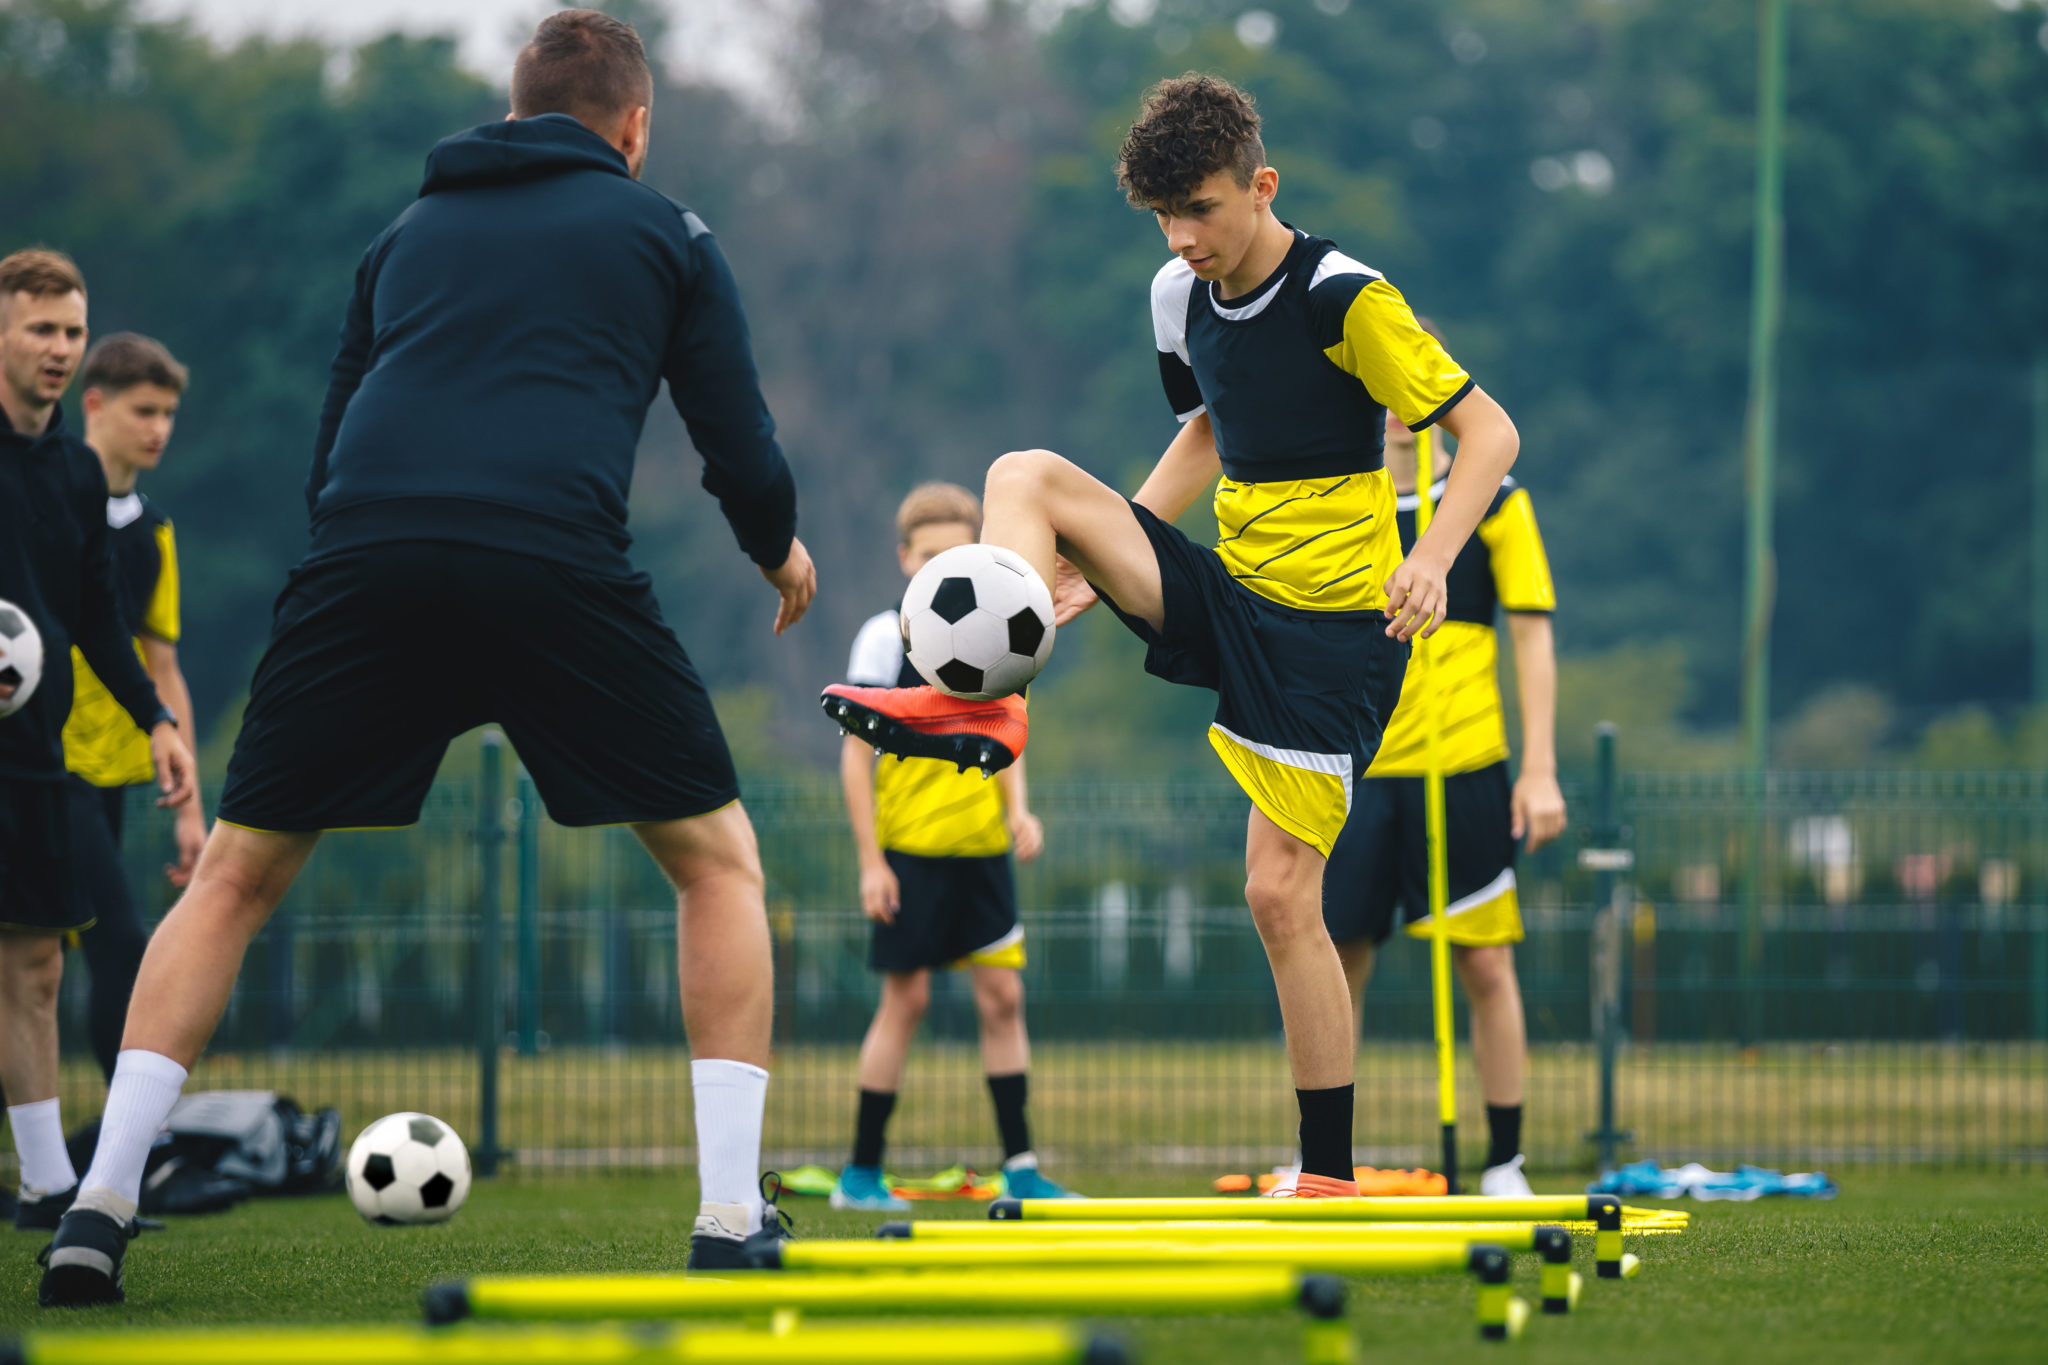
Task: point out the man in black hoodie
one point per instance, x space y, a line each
468 564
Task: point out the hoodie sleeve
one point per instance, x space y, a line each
100 634
711 378
345 375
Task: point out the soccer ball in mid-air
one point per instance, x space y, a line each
977 622
408 1168
21 658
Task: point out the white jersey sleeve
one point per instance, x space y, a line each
877 659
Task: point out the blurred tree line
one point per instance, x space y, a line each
938 267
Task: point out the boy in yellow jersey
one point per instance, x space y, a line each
1280 356
935 844
1381 860
132 389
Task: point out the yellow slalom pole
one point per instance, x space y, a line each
1099 1291
1448 1251
1437 850
1023 1343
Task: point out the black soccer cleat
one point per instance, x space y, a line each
717 1246
82 1263
43 1215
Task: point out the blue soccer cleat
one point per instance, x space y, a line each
1028 1182
861 1187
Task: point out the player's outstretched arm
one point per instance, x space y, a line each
1487 445
1537 803
1184 472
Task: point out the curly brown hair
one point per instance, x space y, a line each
1192 126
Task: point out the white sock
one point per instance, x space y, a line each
730 1097
145 1086
39 1138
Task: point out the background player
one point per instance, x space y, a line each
1280 357
1381 859
468 564
54 565
935 877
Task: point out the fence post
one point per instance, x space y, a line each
529 917
1608 860
490 837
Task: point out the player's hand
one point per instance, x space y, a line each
797 581
1538 808
1027 836
176 774
190 837
879 893
1415 597
7 690
1071 593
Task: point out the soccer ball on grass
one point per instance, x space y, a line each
977 622
21 657
408 1168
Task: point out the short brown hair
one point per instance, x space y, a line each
1191 127
118 363
934 504
40 273
587 65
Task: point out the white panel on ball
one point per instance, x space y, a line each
1002 587
1010 675
981 639
931 642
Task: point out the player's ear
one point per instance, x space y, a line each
95 402
1265 185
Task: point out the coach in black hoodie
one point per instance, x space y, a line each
468 564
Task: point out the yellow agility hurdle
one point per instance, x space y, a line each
1602 1210
1023 1343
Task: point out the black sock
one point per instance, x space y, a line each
875 1108
1009 1094
1326 1132
1504 1123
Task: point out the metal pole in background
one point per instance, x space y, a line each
1759 443
1608 861
529 917
490 839
2040 617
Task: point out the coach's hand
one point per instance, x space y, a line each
879 893
176 774
189 836
1071 593
1415 597
797 581
1538 808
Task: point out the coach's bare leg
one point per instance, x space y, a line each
905 997
1284 887
31 969
724 961
1040 504
1357 955
1500 1040
196 953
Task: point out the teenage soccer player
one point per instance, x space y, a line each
1382 858
934 844
54 565
1280 356
468 564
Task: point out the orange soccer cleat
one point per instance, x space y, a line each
1308 1186
923 722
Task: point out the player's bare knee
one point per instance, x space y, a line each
34 970
907 995
1282 907
1484 971
999 997
1023 476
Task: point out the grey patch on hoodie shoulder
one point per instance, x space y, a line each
694 225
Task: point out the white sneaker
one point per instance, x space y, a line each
1505 1181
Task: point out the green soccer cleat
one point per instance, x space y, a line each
862 1187
1028 1182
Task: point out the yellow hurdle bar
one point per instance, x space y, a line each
1327 1257
1101 1291
1511 1235
1023 1343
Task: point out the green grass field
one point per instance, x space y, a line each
1903 1267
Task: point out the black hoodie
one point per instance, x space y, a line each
505 339
54 565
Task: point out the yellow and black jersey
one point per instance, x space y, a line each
101 742
923 806
1297 377
1503 566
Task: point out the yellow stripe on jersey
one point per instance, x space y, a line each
1306 794
1404 368
161 617
101 742
928 807
1521 569
1315 544
1462 660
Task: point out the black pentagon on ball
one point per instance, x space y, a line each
1027 632
377 1172
426 1130
954 599
960 677
434 1194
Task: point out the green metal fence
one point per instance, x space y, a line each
1901 981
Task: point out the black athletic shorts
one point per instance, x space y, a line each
1302 697
379 657
37 889
951 911
1381 860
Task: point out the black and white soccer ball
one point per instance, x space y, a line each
408 1168
977 622
21 657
